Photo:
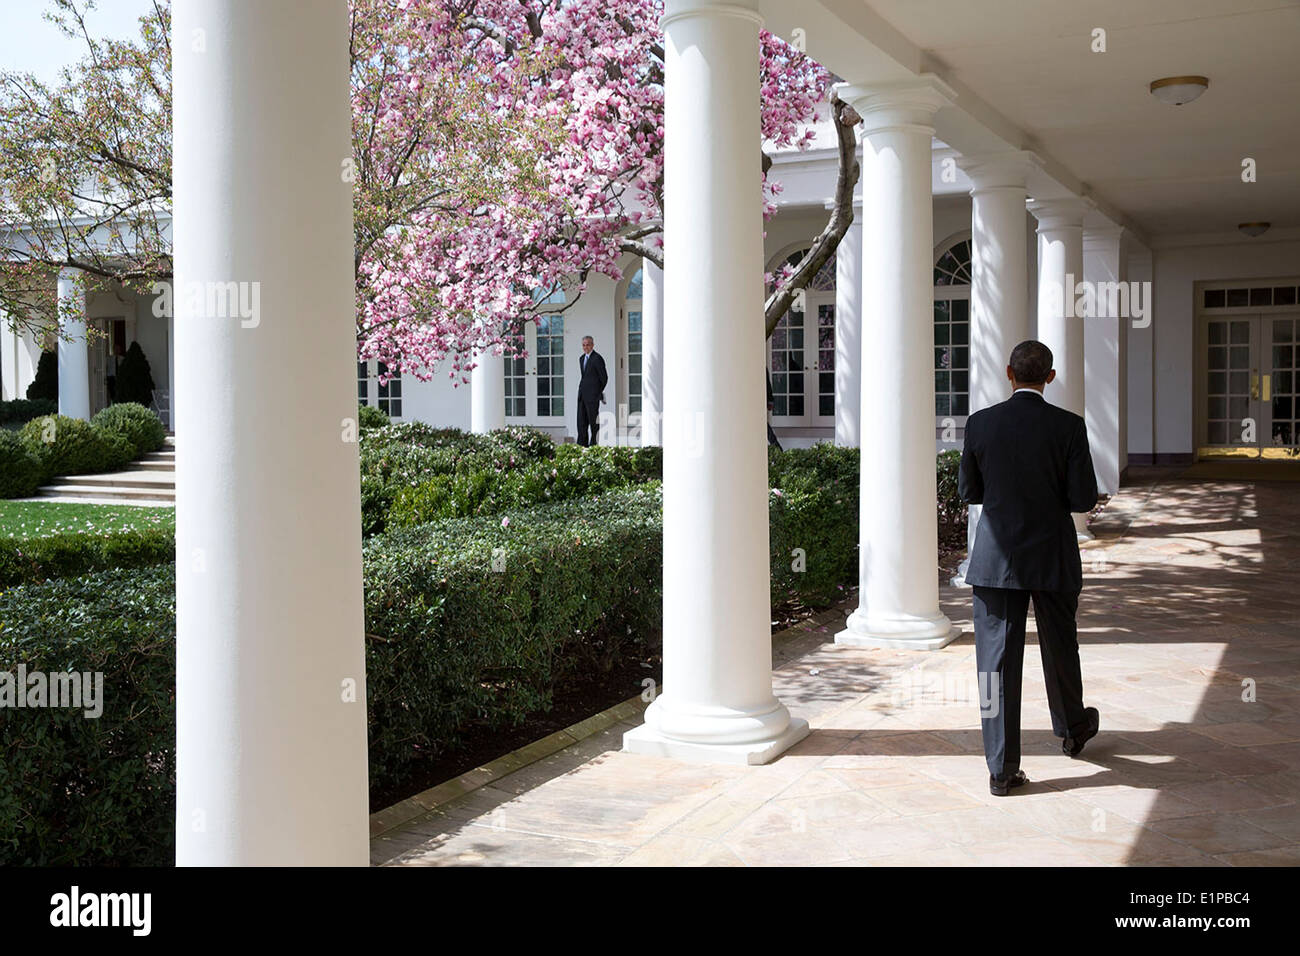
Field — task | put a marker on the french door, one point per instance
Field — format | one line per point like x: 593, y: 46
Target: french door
x: 801, y: 357
x: 1250, y: 368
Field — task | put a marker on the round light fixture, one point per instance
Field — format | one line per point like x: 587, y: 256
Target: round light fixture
x: 1253, y: 229
x: 1177, y: 90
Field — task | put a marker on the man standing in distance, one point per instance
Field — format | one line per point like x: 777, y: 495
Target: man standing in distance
x: 1027, y: 462
x: 591, y: 391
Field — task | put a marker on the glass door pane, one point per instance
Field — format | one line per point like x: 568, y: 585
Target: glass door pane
x: 787, y: 351
x: 1232, y: 429
x: 825, y: 382
x: 1279, y: 386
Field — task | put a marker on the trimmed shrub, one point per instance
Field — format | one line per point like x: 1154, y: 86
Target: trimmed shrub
x: 70, y: 446
x: 480, y: 487
x: 139, y: 425
x: 481, y: 620
x: 20, y: 470
x: 22, y: 410
x: 33, y: 560
x: 368, y: 416
x: 45, y: 386
x: 79, y: 790
x: 951, y: 507
x: 813, y: 523
x: 134, y: 377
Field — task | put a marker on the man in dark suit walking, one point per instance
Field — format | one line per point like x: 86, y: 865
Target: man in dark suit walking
x: 1027, y: 463
x: 591, y: 391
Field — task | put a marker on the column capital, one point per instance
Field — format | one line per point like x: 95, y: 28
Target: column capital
x: 1102, y: 237
x: 1006, y: 170
x: 675, y: 10
x: 1059, y: 213
x: 911, y: 103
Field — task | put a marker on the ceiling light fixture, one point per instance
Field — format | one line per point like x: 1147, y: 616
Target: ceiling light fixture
x: 1177, y: 90
x: 1253, y: 229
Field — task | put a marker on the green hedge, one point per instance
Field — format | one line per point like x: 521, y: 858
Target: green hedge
x: 951, y: 507
x: 21, y: 471
x: 61, y: 445
x: 471, y: 635
x: 139, y: 425
x: 813, y: 522
x: 70, y: 446
x: 77, y: 790
x: 25, y: 560
x: 368, y: 416
x: 574, y: 472
x: 405, y: 455
x: 21, y: 410
x: 480, y: 621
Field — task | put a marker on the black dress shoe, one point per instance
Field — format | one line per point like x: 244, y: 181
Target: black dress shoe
x: 1001, y: 786
x: 1073, y: 746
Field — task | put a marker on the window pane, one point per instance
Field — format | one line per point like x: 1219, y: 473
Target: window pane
x: 1215, y: 298
x: 1237, y: 298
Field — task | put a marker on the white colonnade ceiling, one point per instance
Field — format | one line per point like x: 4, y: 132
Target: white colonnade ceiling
x: 1026, y: 77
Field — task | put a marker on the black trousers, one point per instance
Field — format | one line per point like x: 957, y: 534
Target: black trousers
x: 999, y: 657
x: 588, y: 418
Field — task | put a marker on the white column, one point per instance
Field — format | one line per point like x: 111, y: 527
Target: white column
x: 1140, y: 438
x: 74, y: 356
x: 717, y: 703
x: 999, y: 309
x: 270, y: 668
x: 1060, y: 270
x: 848, y: 334
x: 652, y: 353
x: 488, y: 393
x: 1105, y: 354
x: 898, y: 527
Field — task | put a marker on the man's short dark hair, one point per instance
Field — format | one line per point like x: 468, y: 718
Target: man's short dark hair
x: 1030, y: 362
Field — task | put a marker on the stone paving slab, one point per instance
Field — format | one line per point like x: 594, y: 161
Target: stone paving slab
x: 1190, y: 635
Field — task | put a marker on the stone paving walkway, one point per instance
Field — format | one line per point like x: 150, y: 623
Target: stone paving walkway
x: 1191, y: 603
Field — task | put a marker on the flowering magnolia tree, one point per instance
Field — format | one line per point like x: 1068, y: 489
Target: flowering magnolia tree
x: 503, y: 152
x: 584, y: 79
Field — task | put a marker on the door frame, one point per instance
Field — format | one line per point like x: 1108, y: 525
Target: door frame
x: 1260, y: 318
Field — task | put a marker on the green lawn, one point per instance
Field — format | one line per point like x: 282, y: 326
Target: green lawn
x: 36, y: 519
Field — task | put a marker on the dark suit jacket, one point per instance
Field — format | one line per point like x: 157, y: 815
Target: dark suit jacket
x: 1027, y: 462
x: 591, y: 385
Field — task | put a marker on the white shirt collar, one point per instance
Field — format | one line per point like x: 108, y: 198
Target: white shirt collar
x: 1026, y: 389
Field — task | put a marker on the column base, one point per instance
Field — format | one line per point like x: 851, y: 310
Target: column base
x: 647, y: 740
x: 914, y: 633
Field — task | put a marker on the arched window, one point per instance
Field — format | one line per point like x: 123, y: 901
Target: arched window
x: 952, y: 278
x: 801, y: 352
